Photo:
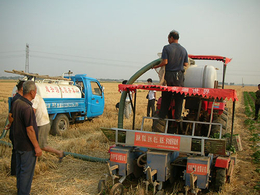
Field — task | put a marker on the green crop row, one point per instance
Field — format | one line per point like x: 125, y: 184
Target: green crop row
x: 248, y: 112
x: 253, y: 95
x: 249, y: 98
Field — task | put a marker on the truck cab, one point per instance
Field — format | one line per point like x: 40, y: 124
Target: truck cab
x: 92, y: 92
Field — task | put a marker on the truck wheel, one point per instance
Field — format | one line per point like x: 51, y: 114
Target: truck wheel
x: 117, y: 189
x: 220, y: 178
x: 60, y: 124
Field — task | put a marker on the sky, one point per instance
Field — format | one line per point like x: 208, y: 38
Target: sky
x: 116, y: 38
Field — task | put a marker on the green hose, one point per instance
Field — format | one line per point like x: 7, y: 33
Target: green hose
x: 88, y: 158
x: 79, y: 156
x: 4, y: 131
x: 131, y: 81
x: 5, y: 143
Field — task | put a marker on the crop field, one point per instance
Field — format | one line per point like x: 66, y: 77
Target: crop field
x: 75, y: 176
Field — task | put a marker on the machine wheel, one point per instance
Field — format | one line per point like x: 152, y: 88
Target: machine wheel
x: 216, y: 128
x: 160, y: 193
x: 158, y: 125
x: 220, y: 178
x: 225, y: 112
x: 60, y: 124
x: 101, y: 186
x: 224, y: 118
x: 117, y: 189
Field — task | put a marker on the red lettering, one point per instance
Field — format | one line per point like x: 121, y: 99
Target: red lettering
x: 157, y: 141
x: 118, y: 157
x: 47, y: 89
x: 199, y: 169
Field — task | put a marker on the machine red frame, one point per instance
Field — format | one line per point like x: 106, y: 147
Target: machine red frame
x: 203, y: 92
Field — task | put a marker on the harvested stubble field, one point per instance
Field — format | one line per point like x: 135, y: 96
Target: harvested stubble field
x: 74, y: 176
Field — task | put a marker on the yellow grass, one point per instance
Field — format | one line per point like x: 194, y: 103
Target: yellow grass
x: 74, y: 176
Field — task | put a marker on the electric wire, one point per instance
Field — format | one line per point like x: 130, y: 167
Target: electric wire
x: 69, y: 55
x: 81, y: 61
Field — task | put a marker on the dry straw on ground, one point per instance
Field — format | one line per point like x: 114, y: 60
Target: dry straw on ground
x: 74, y: 176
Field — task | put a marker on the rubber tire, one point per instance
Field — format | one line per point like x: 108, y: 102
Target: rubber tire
x: 224, y: 118
x: 160, y: 193
x: 225, y: 112
x: 221, y: 178
x: 216, y: 128
x: 117, y: 189
x: 60, y: 124
x: 158, y: 125
x: 101, y: 186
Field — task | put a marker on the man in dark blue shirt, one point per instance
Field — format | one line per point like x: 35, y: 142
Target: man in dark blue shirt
x: 16, y: 97
x: 174, y: 58
x: 25, y: 138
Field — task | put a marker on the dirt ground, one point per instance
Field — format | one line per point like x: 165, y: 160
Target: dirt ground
x: 75, y: 176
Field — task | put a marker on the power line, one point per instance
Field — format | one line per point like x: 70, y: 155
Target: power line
x: 11, y: 56
x: 3, y: 52
x: 81, y: 61
x: 67, y: 55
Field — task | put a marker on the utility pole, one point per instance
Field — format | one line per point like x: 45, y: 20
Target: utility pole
x: 27, y: 59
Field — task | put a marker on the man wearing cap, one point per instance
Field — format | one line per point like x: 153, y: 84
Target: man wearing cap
x: 174, y: 58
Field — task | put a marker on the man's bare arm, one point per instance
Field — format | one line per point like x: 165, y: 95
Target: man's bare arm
x: 163, y: 63
x: 32, y: 136
x: 10, y: 120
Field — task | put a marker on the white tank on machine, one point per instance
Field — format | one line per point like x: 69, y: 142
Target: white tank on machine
x: 200, y: 76
x: 55, y: 89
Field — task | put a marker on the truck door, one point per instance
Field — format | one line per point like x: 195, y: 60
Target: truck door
x: 96, y: 100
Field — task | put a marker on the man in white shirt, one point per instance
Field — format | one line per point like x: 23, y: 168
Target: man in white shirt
x: 151, y: 96
x: 43, y: 123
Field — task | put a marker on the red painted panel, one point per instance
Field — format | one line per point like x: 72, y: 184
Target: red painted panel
x: 157, y: 141
x: 222, y: 162
x: 200, y: 169
x: 118, y: 157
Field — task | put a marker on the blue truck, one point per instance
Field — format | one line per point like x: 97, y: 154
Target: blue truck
x: 69, y: 99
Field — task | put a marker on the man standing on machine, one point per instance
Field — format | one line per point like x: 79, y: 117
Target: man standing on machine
x: 174, y: 58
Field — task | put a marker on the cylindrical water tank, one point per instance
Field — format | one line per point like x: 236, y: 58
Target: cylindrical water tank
x: 48, y: 90
x: 51, y: 90
x: 70, y: 91
x: 200, y: 76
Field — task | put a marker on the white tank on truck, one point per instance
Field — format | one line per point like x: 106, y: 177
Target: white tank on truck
x: 55, y: 89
